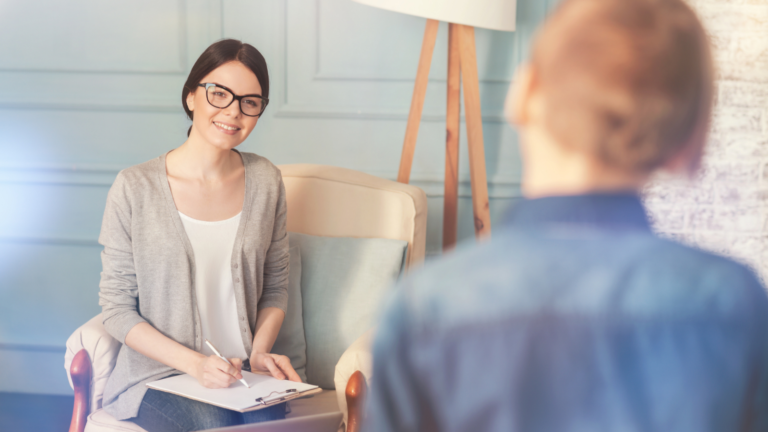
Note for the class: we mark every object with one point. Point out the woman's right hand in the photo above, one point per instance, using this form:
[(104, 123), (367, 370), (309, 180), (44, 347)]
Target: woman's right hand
[(213, 372)]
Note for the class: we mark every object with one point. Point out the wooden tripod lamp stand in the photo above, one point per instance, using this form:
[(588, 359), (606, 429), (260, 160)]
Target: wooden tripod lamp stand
[(463, 16)]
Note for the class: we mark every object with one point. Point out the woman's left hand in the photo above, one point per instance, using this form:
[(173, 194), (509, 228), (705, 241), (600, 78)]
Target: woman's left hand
[(279, 366)]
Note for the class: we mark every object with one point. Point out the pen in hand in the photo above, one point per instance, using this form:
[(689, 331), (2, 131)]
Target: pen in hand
[(215, 351)]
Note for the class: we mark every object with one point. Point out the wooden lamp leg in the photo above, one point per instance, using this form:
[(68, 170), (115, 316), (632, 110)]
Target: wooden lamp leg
[(462, 59), (417, 102), (453, 112), (474, 119)]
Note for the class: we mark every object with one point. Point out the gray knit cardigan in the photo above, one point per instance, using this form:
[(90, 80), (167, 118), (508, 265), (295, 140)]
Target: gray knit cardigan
[(149, 268)]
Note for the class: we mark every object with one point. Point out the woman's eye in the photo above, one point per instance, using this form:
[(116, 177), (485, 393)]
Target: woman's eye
[(250, 102), (219, 94)]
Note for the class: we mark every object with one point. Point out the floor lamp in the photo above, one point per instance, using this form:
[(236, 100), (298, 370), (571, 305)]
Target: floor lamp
[(463, 16)]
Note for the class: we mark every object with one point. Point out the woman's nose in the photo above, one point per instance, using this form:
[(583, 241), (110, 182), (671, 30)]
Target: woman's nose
[(233, 110)]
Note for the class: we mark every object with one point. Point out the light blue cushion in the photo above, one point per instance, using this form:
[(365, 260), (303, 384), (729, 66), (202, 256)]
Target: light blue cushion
[(290, 341), (343, 281)]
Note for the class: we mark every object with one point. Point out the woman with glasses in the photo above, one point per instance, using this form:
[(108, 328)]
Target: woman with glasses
[(196, 250)]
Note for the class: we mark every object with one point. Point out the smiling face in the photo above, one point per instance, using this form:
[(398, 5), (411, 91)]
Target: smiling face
[(224, 128)]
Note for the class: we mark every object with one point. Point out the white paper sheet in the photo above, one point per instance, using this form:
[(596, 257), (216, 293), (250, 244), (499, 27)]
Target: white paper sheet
[(236, 397)]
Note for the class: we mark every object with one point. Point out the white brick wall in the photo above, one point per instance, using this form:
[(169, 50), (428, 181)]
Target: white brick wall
[(725, 209)]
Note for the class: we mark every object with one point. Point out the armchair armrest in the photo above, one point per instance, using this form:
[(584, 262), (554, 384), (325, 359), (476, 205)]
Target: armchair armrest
[(357, 392), (80, 377), (357, 358), (102, 350)]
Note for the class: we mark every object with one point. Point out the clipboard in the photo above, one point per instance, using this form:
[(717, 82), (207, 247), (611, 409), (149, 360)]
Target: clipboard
[(265, 391)]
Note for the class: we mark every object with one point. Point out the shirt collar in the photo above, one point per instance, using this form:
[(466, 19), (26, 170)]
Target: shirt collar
[(599, 210)]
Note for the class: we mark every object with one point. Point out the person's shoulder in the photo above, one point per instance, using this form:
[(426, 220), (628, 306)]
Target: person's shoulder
[(666, 249), (144, 170), (137, 175), (460, 281), (262, 171), (513, 274), (474, 256), (702, 280), (260, 168)]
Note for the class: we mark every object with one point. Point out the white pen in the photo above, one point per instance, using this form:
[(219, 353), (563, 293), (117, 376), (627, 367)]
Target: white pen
[(215, 351)]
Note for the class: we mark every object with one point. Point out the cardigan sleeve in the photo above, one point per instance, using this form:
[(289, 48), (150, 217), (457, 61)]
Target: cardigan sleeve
[(118, 289), (275, 291)]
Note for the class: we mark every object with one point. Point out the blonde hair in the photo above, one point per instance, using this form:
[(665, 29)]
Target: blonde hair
[(630, 81)]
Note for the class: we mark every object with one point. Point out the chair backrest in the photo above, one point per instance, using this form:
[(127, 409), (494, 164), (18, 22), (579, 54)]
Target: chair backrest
[(338, 202)]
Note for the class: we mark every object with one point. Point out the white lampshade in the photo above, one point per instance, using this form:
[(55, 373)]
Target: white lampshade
[(490, 14)]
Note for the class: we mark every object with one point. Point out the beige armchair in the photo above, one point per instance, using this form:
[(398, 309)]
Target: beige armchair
[(324, 201)]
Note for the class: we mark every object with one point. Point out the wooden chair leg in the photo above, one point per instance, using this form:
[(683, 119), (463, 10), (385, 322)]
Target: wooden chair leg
[(453, 112), (80, 371), (356, 392), (474, 119), (417, 102)]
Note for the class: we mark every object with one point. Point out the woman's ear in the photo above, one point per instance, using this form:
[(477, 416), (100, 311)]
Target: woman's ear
[(517, 104), (191, 100)]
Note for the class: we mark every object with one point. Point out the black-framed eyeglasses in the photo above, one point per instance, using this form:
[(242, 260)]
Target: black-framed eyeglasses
[(221, 97)]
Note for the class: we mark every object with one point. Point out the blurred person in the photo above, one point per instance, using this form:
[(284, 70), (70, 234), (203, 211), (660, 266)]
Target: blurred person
[(575, 316)]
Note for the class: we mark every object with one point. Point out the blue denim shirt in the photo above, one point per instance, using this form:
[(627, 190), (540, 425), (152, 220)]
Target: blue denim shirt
[(574, 317)]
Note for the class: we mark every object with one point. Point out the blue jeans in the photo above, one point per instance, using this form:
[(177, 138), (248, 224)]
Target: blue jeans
[(166, 412)]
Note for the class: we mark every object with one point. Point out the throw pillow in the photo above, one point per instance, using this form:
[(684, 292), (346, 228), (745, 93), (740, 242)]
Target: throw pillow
[(343, 281), (290, 341)]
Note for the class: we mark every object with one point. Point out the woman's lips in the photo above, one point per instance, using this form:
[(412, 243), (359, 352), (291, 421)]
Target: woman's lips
[(226, 128)]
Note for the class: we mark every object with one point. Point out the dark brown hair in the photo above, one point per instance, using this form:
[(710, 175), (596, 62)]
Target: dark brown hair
[(630, 81), (219, 53)]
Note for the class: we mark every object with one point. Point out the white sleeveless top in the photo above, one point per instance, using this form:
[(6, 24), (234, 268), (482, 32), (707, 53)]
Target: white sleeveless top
[(212, 244)]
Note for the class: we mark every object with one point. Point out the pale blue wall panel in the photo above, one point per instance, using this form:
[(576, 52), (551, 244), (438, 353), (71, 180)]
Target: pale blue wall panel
[(46, 291), (67, 138), (27, 370), (101, 91), (52, 211), (100, 36)]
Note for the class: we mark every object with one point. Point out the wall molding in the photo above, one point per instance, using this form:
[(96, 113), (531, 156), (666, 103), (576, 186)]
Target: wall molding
[(287, 110), (58, 349), (77, 106), (434, 185), (50, 241), (104, 176), (324, 76), (60, 174), (94, 71)]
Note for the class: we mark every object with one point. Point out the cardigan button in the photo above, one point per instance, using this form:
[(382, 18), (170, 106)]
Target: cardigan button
[(237, 280), (235, 265)]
